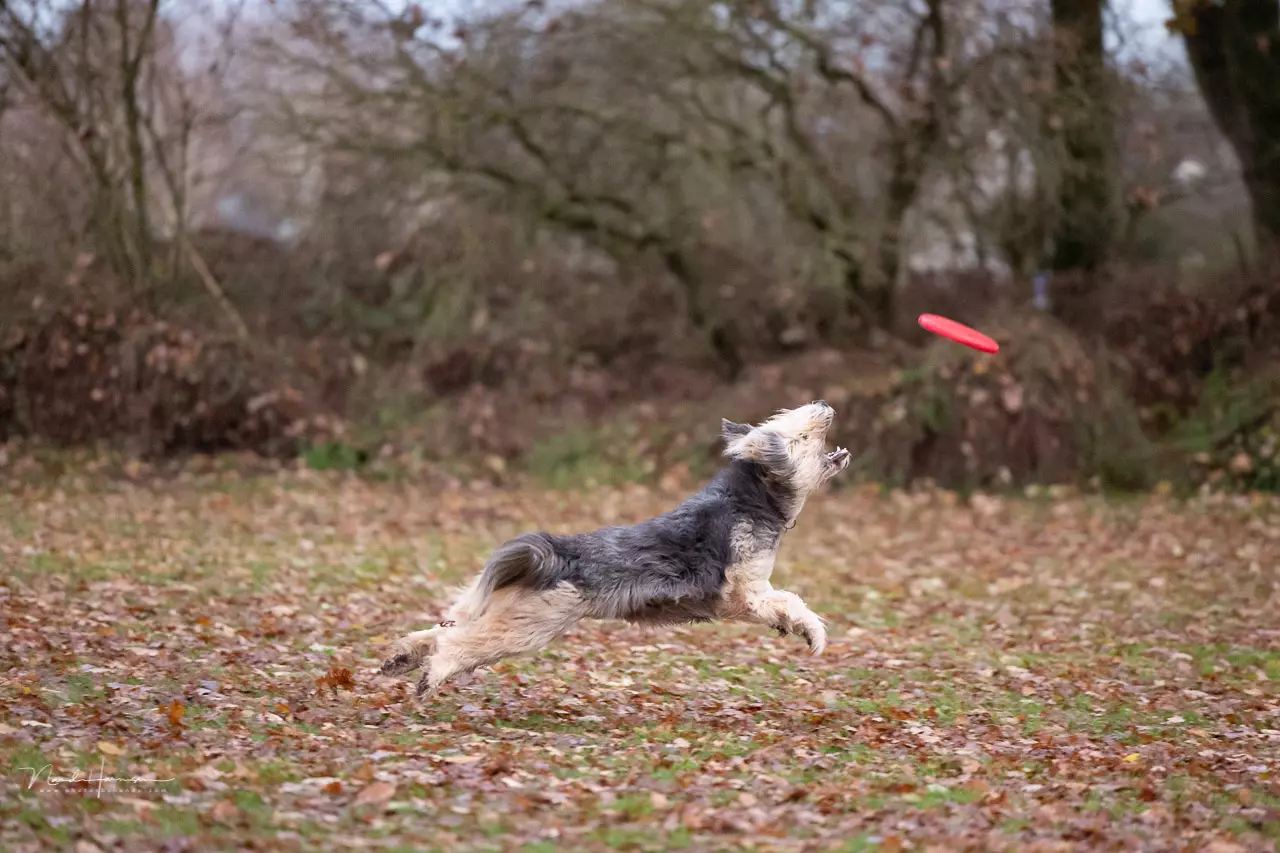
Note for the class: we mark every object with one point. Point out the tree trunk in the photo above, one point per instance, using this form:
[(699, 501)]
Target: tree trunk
[(904, 184), (719, 336), (140, 242), (864, 301), (131, 59), (1088, 210), (1234, 47)]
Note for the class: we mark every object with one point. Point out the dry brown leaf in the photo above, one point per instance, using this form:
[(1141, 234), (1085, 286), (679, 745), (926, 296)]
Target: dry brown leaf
[(225, 811), (338, 677), (175, 713), (376, 794)]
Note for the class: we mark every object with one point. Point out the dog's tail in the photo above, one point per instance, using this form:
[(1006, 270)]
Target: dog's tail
[(529, 560)]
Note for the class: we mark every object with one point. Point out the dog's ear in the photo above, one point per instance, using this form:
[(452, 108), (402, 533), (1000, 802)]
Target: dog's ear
[(730, 430), (757, 445)]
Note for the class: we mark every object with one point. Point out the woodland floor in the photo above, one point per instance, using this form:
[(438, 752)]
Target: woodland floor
[(1035, 674)]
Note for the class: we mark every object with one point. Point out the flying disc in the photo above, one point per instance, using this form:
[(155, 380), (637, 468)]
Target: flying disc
[(958, 332)]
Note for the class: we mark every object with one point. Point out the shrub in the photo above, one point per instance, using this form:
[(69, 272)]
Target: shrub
[(1043, 410), (80, 377)]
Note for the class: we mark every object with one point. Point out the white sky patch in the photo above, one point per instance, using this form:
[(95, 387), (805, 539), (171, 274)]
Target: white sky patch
[(1140, 22)]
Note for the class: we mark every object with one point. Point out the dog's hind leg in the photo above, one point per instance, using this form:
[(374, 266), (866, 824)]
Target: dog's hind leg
[(408, 653), (517, 620), (411, 651)]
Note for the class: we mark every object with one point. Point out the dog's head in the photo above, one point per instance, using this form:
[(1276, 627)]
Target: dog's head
[(791, 447)]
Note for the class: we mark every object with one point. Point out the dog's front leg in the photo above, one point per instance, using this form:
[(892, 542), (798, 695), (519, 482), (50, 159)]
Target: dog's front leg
[(785, 611)]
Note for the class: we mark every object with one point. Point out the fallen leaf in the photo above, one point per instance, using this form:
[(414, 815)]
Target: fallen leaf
[(988, 680), (1222, 845), (376, 794), (225, 812), (338, 677), (174, 714)]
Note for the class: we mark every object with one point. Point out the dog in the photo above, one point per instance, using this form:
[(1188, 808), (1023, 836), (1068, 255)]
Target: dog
[(708, 559)]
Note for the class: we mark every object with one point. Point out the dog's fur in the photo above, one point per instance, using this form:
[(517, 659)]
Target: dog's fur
[(709, 558)]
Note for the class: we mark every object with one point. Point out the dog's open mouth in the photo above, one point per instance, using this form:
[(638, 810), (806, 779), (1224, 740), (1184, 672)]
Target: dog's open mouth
[(837, 456)]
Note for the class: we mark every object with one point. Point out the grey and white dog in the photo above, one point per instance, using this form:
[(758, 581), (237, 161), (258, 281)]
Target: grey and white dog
[(709, 558)]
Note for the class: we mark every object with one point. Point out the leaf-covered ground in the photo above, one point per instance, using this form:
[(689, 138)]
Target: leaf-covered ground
[(1042, 674)]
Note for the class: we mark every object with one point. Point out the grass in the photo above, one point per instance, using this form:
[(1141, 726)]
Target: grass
[(1054, 672), (598, 456)]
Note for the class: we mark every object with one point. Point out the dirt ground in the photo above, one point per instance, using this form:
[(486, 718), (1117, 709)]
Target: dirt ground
[(1050, 673)]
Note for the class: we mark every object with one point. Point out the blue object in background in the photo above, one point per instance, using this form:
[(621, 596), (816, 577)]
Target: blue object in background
[(1040, 289)]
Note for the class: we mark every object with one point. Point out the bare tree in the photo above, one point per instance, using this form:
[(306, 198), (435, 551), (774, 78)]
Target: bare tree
[(687, 133), (496, 111), (1234, 47), (85, 68), (111, 76), (803, 71), (1089, 213), (993, 181)]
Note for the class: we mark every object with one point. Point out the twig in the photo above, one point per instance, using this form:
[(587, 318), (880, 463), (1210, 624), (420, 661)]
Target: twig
[(215, 290)]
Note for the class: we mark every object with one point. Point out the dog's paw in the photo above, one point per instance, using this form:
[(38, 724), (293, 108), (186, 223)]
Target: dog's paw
[(815, 635), (409, 652), (400, 663), (425, 689)]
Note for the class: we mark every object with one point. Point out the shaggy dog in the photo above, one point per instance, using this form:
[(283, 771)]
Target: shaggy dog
[(709, 558)]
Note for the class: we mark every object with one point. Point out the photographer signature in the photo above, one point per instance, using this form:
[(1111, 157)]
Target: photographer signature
[(100, 780)]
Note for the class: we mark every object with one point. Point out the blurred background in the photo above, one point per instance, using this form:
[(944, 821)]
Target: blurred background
[(561, 240)]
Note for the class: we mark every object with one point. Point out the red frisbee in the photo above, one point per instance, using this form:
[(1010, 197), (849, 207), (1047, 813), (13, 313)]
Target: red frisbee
[(958, 332)]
